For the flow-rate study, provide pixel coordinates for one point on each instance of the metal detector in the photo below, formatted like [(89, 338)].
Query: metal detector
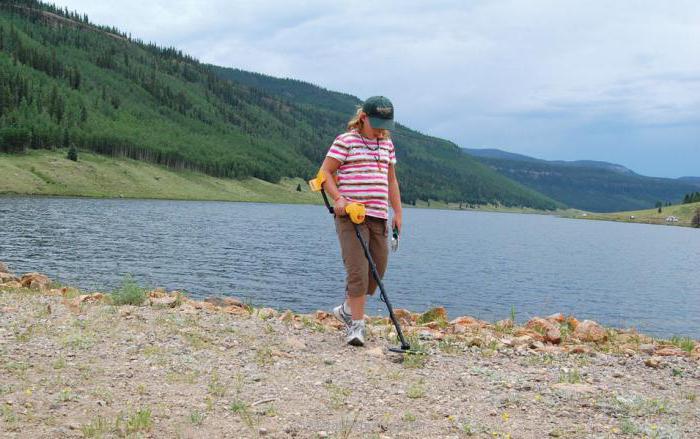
[(356, 212)]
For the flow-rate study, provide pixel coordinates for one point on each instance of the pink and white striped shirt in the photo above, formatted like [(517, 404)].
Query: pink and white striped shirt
[(363, 174)]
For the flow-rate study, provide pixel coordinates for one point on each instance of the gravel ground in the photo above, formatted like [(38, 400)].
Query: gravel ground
[(70, 367)]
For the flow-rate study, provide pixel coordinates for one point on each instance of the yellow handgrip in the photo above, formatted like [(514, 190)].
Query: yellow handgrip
[(317, 183), (356, 212)]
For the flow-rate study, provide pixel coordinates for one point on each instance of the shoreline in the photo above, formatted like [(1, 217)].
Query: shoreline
[(157, 364)]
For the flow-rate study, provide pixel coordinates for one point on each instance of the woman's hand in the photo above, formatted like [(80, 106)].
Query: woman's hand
[(339, 206), (397, 221)]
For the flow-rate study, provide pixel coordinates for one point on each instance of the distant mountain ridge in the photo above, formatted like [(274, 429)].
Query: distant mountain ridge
[(587, 184)]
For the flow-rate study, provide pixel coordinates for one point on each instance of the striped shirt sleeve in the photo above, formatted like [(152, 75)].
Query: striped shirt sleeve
[(392, 154), (339, 150)]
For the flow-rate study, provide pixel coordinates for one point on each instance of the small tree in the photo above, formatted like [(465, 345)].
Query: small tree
[(659, 209), (72, 153), (695, 222), (299, 187)]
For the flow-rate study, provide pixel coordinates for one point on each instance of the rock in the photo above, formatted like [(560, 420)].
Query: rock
[(234, 310), (652, 362), (322, 435), (164, 301), (435, 314), (6, 277), (475, 341), (157, 293), (505, 324), (523, 340), (13, 285), (286, 316), (262, 431), (547, 329), (404, 316), (459, 329), (647, 348), (670, 351), (556, 318), (536, 344), (223, 302), (588, 330), (322, 315), (579, 349), (572, 322), (35, 281), (3, 268), (267, 313)]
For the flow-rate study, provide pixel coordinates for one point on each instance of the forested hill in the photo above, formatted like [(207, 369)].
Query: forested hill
[(589, 185), (66, 81)]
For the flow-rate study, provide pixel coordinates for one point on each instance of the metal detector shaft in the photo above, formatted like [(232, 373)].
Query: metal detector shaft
[(385, 298)]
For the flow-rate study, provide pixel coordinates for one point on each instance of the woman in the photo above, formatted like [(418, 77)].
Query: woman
[(363, 163)]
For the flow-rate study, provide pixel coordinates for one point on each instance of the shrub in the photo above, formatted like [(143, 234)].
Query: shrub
[(695, 222), (129, 293)]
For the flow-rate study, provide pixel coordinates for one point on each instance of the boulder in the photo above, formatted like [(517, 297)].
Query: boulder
[(549, 331), (404, 316), (35, 281), (588, 330), (435, 314)]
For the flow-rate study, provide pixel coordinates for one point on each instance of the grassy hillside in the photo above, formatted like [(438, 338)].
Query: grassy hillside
[(587, 185), (684, 213), (50, 173), (65, 81)]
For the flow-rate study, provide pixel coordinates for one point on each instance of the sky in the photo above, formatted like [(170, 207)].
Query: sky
[(616, 81)]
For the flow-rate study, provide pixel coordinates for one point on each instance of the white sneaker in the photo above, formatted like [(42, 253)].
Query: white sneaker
[(340, 314), (356, 333)]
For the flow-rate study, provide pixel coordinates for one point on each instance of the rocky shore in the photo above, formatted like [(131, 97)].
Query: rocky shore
[(137, 363)]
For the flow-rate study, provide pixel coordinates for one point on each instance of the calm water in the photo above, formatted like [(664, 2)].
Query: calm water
[(287, 256)]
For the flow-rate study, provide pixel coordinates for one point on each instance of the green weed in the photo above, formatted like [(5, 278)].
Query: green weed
[(129, 293), (572, 376), (416, 390), (685, 343), (96, 428)]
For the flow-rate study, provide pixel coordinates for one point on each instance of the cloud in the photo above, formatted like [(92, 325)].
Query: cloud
[(530, 76)]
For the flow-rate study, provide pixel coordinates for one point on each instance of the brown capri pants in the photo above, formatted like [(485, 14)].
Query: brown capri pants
[(374, 231)]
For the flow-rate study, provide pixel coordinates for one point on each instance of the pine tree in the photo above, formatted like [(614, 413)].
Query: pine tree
[(72, 153)]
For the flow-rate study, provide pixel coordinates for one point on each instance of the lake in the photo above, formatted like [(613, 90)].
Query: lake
[(287, 256)]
